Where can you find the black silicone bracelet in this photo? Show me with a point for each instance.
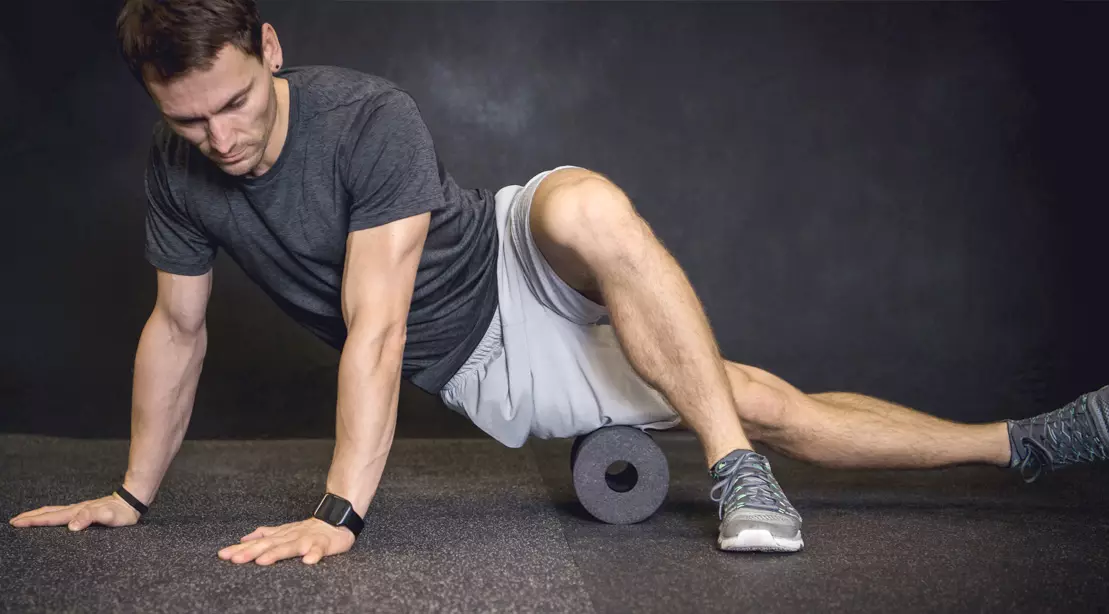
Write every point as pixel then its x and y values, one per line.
pixel 131 500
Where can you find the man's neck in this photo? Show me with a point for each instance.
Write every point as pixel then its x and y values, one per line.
pixel 280 129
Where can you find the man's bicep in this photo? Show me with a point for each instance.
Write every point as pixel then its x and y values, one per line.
pixel 379 276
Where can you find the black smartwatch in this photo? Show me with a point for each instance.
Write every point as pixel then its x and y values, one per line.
pixel 338 512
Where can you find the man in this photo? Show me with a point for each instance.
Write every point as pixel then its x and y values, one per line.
pixel 324 185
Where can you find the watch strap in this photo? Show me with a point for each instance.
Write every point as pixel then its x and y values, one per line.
pixel 132 501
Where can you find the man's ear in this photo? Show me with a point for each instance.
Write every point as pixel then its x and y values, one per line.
pixel 271 49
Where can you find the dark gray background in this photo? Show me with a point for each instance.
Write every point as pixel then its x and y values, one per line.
pixel 902 200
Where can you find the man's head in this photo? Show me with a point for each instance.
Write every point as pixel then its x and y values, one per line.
pixel 208 65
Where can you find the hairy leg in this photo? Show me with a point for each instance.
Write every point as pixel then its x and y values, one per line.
pixel 839 429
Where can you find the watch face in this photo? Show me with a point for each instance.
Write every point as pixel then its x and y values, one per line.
pixel 332 510
pixel 338 512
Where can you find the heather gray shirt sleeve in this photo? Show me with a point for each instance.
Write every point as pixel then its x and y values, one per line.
pixel 174 243
pixel 391 168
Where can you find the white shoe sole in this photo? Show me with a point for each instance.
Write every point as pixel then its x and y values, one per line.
pixel 760 540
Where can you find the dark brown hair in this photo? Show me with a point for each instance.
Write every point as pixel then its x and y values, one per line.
pixel 175 36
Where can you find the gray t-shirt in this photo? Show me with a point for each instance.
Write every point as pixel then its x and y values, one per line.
pixel 357 155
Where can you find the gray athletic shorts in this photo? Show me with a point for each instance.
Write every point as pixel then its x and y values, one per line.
pixel 546 366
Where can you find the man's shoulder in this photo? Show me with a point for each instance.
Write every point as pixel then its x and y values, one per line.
pixel 178 167
pixel 326 88
pixel 168 151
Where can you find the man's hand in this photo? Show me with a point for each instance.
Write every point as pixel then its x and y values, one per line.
pixel 311 539
pixel 110 511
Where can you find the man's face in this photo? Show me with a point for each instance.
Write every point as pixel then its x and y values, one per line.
pixel 226 111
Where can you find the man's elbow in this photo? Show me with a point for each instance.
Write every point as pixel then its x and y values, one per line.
pixel 178 327
pixel 375 339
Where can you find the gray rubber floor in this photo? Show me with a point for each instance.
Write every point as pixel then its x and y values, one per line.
pixel 466 525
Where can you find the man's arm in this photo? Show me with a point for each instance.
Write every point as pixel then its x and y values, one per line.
pixel 378 281
pixel 391 174
pixel 167 369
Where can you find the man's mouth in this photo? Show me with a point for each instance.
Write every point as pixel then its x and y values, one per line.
pixel 231 159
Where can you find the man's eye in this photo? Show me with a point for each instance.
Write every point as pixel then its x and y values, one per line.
pixel 238 104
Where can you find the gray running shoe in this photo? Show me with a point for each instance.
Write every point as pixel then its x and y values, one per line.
pixel 756 515
pixel 1076 432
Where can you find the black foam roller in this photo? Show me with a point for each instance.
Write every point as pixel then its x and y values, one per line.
pixel 631 495
pixel 574 450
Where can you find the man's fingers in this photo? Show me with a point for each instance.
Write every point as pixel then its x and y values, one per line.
pixel 244 553
pixel 49 519
pixel 286 550
pixel 32 518
pixel 230 551
pixel 315 553
pixel 41 510
pixel 233 549
pixel 259 548
pixel 81 519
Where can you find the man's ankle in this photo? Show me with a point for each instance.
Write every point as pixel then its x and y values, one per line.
pixel 727 459
pixel 1008 456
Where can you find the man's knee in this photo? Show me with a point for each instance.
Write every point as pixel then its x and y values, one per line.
pixel 585 212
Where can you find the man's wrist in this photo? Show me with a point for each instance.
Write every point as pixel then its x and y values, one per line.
pixel 138 489
pixel 337 511
pixel 355 476
pixel 131 500
pixel 360 503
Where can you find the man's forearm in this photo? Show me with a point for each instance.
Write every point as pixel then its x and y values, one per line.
pixel 167 369
pixel 366 418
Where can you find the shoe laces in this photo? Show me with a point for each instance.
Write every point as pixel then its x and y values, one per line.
pixel 1061 437
pixel 750 480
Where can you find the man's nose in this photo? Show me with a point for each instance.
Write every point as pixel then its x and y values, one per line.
pixel 219 135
